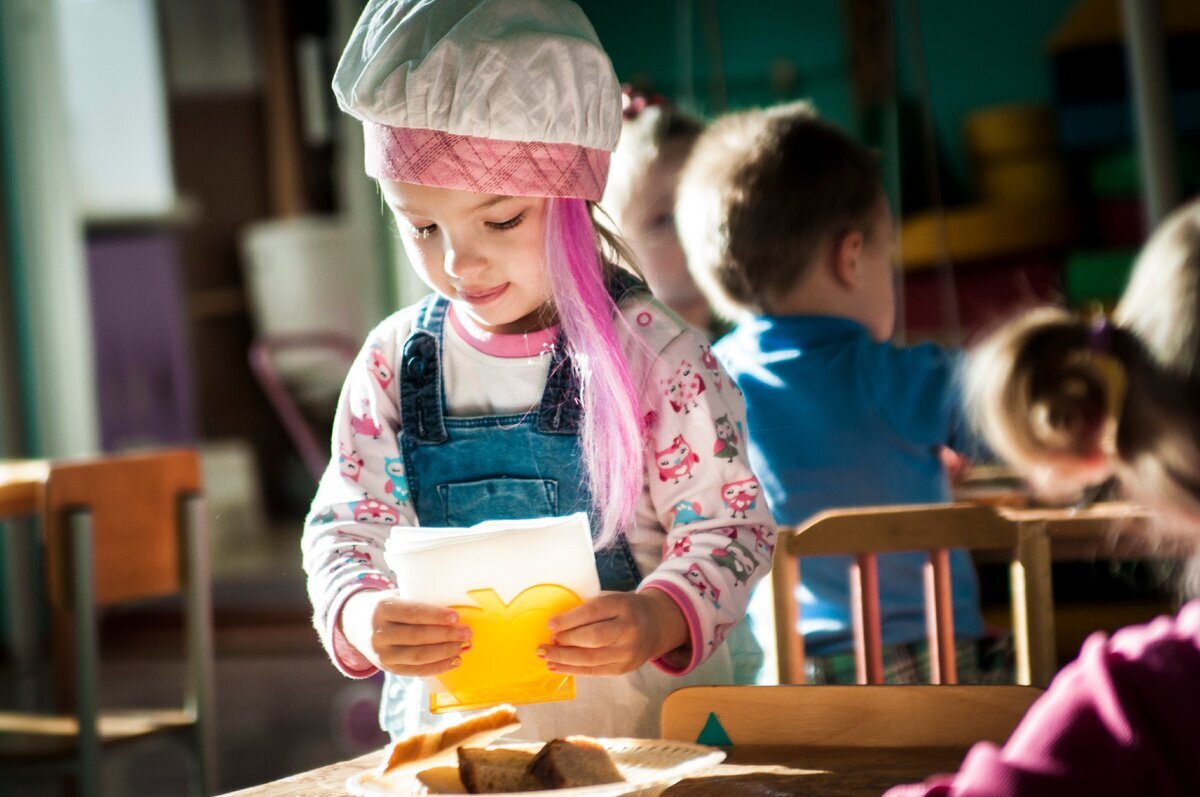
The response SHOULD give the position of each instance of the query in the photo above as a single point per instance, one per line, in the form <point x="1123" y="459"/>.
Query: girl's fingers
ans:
<point x="397" y="634"/>
<point x="420" y="655"/>
<point x="596" y="610"/>
<point x="559" y="655"/>
<point x="409" y="613"/>
<point x="605" y="669"/>
<point x="593" y="635"/>
<point x="424" y="670"/>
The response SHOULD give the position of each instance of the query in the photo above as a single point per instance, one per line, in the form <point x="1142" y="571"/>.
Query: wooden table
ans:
<point x="825" y="771"/>
<point x="21" y="483"/>
<point x="1111" y="530"/>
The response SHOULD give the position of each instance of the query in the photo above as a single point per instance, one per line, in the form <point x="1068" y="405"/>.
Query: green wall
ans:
<point x="976" y="53"/>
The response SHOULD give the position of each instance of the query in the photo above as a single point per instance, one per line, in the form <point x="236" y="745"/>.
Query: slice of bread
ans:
<point x="574" y="761"/>
<point x="496" y="771"/>
<point x="442" y="780"/>
<point x="479" y="730"/>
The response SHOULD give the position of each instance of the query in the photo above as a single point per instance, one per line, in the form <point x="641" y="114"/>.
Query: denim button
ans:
<point x="416" y="367"/>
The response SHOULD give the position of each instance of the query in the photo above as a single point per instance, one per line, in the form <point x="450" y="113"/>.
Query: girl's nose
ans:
<point x="462" y="261"/>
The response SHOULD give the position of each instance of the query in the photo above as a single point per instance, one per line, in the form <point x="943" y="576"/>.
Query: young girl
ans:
<point x="537" y="380"/>
<point x="656" y="138"/>
<point x="1072" y="402"/>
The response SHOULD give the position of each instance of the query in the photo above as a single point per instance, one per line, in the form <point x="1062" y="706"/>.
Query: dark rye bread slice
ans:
<point x="496" y="771"/>
<point x="574" y="761"/>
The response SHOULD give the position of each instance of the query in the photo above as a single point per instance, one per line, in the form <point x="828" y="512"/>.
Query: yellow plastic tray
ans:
<point x="502" y="665"/>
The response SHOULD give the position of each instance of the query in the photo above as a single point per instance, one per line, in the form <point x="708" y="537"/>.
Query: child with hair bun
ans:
<point x="1071" y="402"/>
<point x="538" y="379"/>
<point x="656" y="138"/>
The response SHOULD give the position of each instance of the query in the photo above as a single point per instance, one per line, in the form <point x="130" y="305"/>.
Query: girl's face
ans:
<point x="484" y="252"/>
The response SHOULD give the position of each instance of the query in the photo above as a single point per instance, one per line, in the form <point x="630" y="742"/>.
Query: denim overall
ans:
<point x="464" y="470"/>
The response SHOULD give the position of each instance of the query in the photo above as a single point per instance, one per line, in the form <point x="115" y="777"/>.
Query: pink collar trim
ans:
<point x="523" y="346"/>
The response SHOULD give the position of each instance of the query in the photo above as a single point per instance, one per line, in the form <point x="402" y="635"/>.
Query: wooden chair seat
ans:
<point x="52" y="736"/>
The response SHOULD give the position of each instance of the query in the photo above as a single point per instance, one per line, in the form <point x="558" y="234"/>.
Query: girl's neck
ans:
<point x="519" y="345"/>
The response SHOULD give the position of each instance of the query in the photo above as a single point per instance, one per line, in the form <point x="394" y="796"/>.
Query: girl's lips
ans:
<point x="482" y="297"/>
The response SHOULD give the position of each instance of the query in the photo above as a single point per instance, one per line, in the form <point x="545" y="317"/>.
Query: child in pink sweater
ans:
<point x="1071" y="403"/>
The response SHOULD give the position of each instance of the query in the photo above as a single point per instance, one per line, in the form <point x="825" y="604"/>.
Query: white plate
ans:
<point x="649" y="767"/>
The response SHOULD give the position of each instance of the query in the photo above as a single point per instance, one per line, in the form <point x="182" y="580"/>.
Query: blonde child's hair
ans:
<point x="760" y="191"/>
<point x="1071" y="400"/>
<point x="643" y="139"/>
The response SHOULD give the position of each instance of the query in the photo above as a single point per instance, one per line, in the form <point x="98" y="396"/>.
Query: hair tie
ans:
<point x="1100" y="336"/>
<point x="1107" y="365"/>
<point x="633" y="102"/>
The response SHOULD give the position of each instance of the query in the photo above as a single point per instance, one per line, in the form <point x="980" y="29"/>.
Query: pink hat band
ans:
<point x="484" y="165"/>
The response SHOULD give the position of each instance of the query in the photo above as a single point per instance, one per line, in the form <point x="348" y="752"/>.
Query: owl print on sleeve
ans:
<point x="364" y="424"/>
<point x="725" y="446"/>
<point x="369" y="510"/>
<point x="397" y="483"/>
<point x="738" y="560"/>
<point x="350" y="463"/>
<point x="709" y="361"/>
<point x="683" y="388"/>
<point x="676" y="460"/>
<point x="740" y="496"/>
<point x="378" y="365"/>
<point x="708" y="590"/>
<point x="687" y="512"/>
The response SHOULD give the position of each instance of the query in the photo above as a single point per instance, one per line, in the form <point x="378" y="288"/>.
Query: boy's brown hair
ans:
<point x="760" y="192"/>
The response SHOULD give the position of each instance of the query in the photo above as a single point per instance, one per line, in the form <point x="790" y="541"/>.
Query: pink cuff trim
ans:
<point x="484" y="165"/>
<point x="346" y="657"/>
<point x="695" y="629"/>
<point x="524" y="346"/>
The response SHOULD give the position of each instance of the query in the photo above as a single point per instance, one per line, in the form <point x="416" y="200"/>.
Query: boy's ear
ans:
<point x="847" y="258"/>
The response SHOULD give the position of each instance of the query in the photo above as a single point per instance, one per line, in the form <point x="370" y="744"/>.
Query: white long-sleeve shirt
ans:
<point x="702" y="533"/>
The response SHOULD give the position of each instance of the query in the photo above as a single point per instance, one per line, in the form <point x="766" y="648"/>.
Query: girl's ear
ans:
<point x="847" y="259"/>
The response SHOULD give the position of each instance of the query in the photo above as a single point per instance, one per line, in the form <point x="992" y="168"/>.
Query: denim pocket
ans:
<point x="468" y="503"/>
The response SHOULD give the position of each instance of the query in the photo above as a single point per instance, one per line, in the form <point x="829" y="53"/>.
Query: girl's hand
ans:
<point x="615" y="633"/>
<point x="404" y="637"/>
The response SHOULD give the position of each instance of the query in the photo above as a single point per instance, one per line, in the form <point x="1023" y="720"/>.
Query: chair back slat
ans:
<point x="134" y="505"/>
<point x="939" y="618"/>
<point x="865" y="619"/>
<point x="888" y="529"/>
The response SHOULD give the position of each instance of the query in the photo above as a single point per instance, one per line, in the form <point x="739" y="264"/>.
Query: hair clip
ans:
<point x="633" y="102"/>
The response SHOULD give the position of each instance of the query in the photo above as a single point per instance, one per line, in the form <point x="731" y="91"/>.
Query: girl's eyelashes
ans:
<point x="424" y="232"/>
<point x="509" y="224"/>
<point x="421" y="232"/>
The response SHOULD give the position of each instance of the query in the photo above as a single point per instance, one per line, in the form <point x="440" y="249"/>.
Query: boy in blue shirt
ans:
<point x="788" y="231"/>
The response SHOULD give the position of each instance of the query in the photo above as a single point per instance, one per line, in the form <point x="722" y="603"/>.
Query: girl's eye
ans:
<point x="509" y="224"/>
<point x="422" y="232"/>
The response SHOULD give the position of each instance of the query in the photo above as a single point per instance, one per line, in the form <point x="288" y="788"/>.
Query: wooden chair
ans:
<point x="848" y="716"/>
<point x="936" y="528"/>
<point x="118" y="529"/>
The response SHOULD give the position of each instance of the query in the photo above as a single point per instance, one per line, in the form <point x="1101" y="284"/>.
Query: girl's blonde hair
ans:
<point x="1071" y="401"/>
<point x="643" y="138"/>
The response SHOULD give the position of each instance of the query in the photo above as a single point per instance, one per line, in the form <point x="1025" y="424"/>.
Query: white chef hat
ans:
<point x="511" y="97"/>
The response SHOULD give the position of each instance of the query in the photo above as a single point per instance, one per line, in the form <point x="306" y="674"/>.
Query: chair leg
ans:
<point x="198" y="606"/>
<point x="87" y="652"/>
